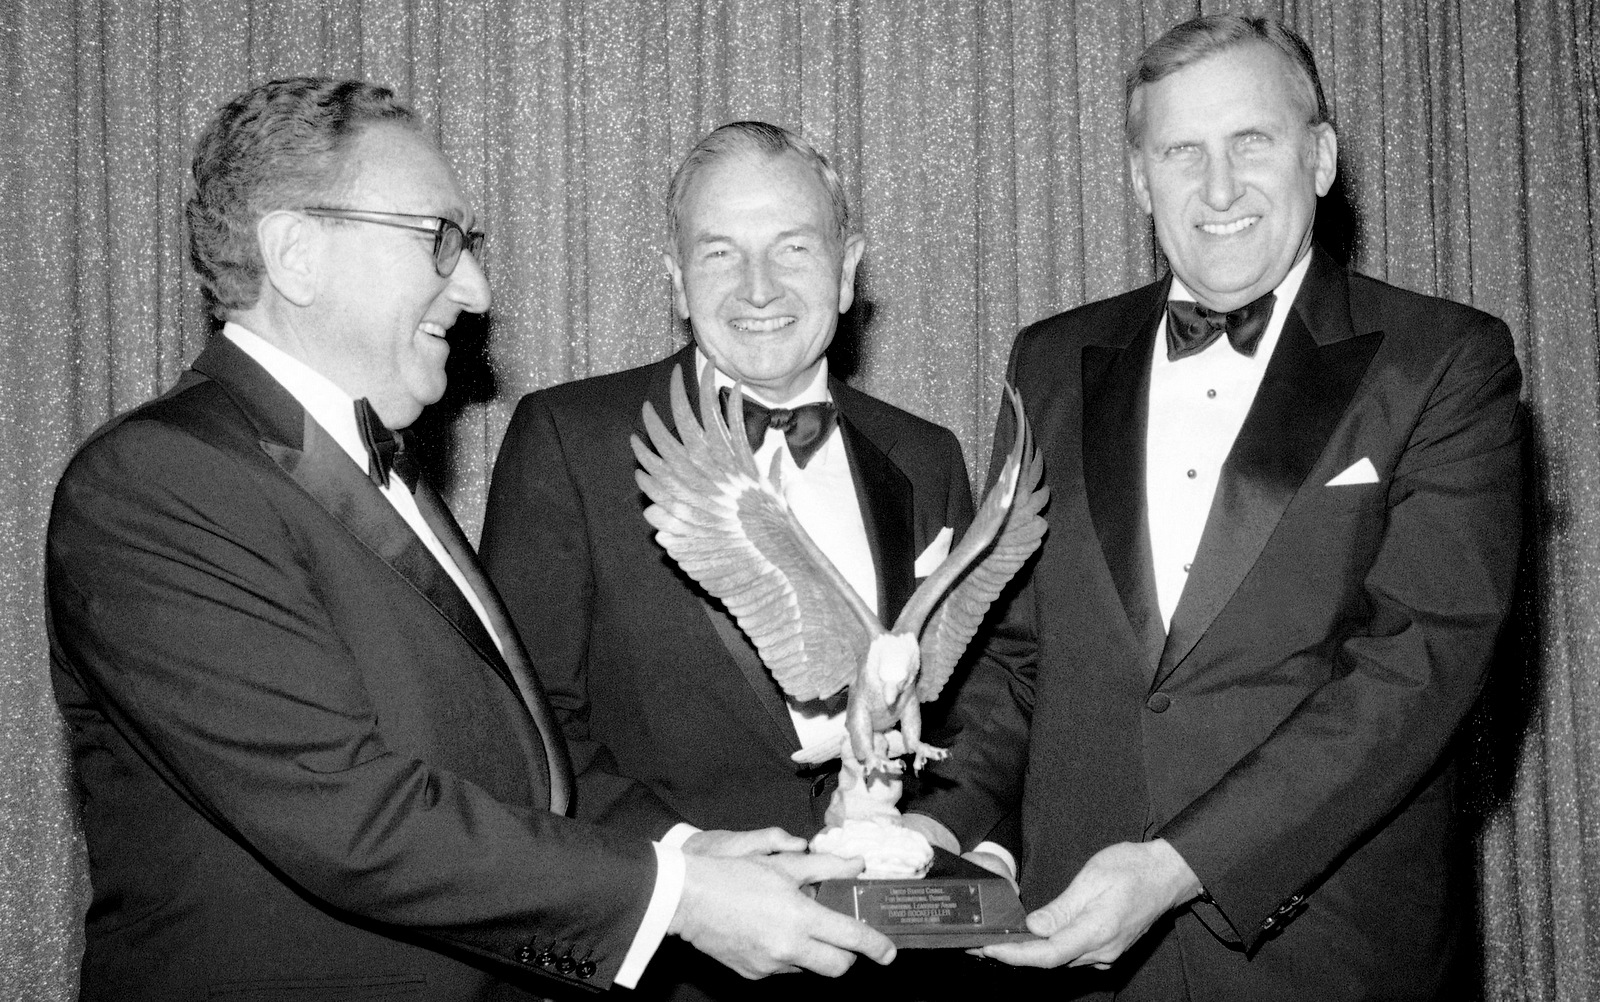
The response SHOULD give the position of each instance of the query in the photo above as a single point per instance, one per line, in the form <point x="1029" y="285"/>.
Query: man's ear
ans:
<point x="854" y="246"/>
<point x="680" y="298"/>
<point x="1140" y="180"/>
<point x="1325" y="154"/>
<point x="291" y="251"/>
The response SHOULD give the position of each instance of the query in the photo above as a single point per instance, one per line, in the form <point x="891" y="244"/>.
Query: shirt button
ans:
<point x="1211" y="394"/>
<point x="1190" y="474"/>
<point x="1186" y="568"/>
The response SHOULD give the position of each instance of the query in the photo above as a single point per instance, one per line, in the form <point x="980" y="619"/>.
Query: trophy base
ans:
<point x="957" y="905"/>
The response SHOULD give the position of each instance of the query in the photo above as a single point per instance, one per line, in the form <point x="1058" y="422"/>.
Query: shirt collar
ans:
<point x="329" y="406"/>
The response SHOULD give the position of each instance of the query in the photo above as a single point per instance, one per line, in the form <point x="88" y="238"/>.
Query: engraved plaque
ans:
<point x="959" y="904"/>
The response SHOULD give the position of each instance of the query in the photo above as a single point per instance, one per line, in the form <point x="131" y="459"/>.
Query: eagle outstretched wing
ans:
<point x="731" y="531"/>
<point x="947" y="608"/>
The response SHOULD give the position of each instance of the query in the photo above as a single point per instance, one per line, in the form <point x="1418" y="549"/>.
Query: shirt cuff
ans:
<point x="677" y="835"/>
<point x="670" y="869"/>
<point x="1004" y="854"/>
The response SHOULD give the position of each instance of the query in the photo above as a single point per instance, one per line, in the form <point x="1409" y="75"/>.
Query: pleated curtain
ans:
<point x="981" y="144"/>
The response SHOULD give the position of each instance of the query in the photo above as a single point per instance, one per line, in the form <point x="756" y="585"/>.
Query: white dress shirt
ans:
<point x="334" y="409"/>
<point x="823" y="498"/>
<point x="1197" y="406"/>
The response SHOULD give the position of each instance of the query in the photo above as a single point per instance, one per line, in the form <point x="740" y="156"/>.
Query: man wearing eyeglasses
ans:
<point x="314" y="761"/>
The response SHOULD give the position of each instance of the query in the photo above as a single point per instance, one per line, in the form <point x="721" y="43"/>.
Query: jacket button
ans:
<point x="545" y="958"/>
<point x="586" y="969"/>
<point x="1158" y="702"/>
<point x="566" y="965"/>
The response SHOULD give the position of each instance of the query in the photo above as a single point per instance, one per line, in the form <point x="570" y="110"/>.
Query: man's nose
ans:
<point x="1221" y="182"/>
<point x="756" y="286"/>
<point x="468" y="284"/>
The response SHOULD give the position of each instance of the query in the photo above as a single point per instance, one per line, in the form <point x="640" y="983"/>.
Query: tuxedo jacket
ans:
<point x="1288" y="734"/>
<point x="652" y="679"/>
<point x="306" y="770"/>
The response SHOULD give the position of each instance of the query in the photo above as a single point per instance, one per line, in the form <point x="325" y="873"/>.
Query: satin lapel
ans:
<point x="659" y="394"/>
<point x="324" y="471"/>
<point x="884" y="494"/>
<point x="310" y="456"/>
<point x="1116" y="393"/>
<point x="740" y="650"/>
<point x="314" y="461"/>
<point x="550" y="755"/>
<point x="1309" y="383"/>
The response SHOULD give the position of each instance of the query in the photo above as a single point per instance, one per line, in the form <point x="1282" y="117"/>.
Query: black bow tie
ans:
<point x="1191" y="327"/>
<point x="805" y="427"/>
<point x="386" y="450"/>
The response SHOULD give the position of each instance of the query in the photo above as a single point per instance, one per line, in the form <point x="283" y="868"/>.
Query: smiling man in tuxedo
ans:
<point x="1283" y="530"/>
<point x="314" y="760"/>
<point x="650" y="678"/>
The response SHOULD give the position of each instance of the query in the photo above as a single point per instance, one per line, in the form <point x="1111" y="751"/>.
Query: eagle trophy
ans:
<point x="730" y="529"/>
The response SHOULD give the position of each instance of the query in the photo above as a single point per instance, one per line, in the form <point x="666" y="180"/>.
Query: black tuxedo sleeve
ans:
<point x="536" y="547"/>
<point x="192" y="618"/>
<point x="1434" y="578"/>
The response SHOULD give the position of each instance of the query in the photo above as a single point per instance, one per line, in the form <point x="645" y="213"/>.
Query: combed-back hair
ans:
<point x="279" y="145"/>
<point x="746" y="139"/>
<point x="1194" y="40"/>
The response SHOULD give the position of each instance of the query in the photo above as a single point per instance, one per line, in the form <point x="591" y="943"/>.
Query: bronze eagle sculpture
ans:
<point x="730" y="529"/>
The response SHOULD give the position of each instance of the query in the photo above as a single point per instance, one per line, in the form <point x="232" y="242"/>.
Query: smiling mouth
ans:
<point x="1228" y="229"/>
<point x="760" y="325"/>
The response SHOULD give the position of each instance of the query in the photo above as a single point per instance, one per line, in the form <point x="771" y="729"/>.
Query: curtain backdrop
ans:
<point x="981" y="142"/>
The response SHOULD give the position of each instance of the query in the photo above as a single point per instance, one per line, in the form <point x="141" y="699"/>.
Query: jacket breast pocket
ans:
<point x="1331" y="501"/>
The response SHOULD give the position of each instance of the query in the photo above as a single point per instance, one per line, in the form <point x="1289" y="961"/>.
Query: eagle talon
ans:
<point x="926" y="754"/>
<point x="887" y="767"/>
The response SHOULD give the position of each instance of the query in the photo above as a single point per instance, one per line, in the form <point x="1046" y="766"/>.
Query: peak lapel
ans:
<point x="659" y="393"/>
<point x="1116" y="395"/>
<point x="324" y="471"/>
<point x="552" y="750"/>
<point x="884" y="495"/>
<point x="310" y="457"/>
<point x="740" y="650"/>
<point x="1314" y="372"/>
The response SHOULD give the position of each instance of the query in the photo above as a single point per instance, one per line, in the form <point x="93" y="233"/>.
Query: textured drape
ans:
<point x="981" y="142"/>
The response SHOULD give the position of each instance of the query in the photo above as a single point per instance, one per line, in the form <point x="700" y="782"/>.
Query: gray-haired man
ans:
<point x="1283" y="531"/>
<point x="652" y="680"/>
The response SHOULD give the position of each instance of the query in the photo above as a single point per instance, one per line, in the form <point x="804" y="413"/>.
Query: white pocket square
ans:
<point x="934" y="555"/>
<point x="1360" y="472"/>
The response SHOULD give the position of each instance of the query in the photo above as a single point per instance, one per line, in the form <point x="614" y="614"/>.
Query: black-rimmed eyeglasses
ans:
<point x="449" y="239"/>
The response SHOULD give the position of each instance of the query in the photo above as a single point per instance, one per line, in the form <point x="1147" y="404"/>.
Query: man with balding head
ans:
<point x="1283" y="529"/>
<point x="315" y="760"/>
<point x="652" y="679"/>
